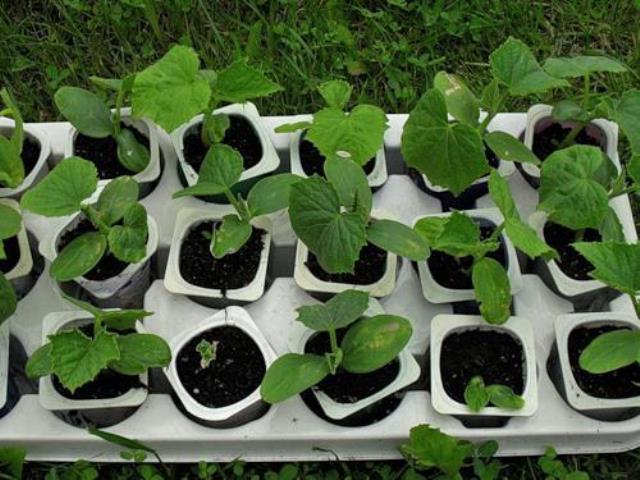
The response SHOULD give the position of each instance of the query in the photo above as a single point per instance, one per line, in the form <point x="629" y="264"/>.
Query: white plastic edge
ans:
<point x="4" y="362"/>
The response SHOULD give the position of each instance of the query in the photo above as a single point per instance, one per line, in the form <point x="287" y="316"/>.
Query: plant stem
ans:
<point x="93" y="216"/>
<point x="490" y="115"/>
<point x="569" y="139"/>
<point x="237" y="205"/>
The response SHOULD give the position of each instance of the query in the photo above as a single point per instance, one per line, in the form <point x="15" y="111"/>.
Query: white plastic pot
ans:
<point x="80" y="413"/>
<point x="41" y="168"/>
<point x="269" y="162"/>
<point x="600" y="408"/>
<point x="20" y="274"/>
<point x="376" y="178"/>
<point x="241" y="412"/>
<point x="408" y="373"/>
<point x="4" y="362"/>
<point x="187" y="219"/>
<point x="436" y="293"/>
<point x="520" y="329"/>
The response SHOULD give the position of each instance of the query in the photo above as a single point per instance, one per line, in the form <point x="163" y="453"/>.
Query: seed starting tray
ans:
<point x="290" y="431"/>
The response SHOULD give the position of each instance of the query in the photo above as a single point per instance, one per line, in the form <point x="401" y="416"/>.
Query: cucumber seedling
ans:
<point x="11" y="164"/>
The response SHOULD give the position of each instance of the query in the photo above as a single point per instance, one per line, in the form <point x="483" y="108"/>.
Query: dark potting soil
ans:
<point x="547" y="141"/>
<point x="621" y="383"/>
<point x="312" y="160"/>
<point x="12" y="251"/>
<point x="103" y="153"/>
<point x="346" y="387"/>
<point x="30" y="154"/>
<point x="235" y="374"/>
<point x="108" y="266"/>
<point x="370" y="267"/>
<point x="199" y="267"/>
<point x="570" y="261"/>
<point x="495" y="356"/>
<point x="455" y="273"/>
<point x="240" y="135"/>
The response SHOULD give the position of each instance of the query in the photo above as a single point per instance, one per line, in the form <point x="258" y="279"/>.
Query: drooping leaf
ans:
<point x="475" y="394"/>
<point x="139" y="352"/>
<point x="132" y="155"/>
<point x="292" y="374"/>
<point x="509" y="148"/>
<point x="611" y="351"/>
<point x="11" y="166"/>
<point x="503" y="396"/>
<point x="581" y="65"/>
<point x="62" y="191"/>
<point x="10" y="222"/>
<point x="230" y="235"/>
<point x="128" y="242"/>
<point x="118" y="195"/>
<point x="492" y="290"/>
<point x="271" y="194"/>
<point x="461" y="102"/>
<point x="350" y="183"/>
<point x="397" y="238"/>
<point x="615" y="263"/>
<point x="8" y="300"/>
<point x="336" y="93"/>
<point x="338" y="312"/>
<point x="85" y="110"/>
<point x="121" y="441"/>
<point x="627" y="115"/>
<point x="39" y="363"/>
<point x="216" y="126"/>
<point x="79" y="256"/>
<point x="239" y="82"/>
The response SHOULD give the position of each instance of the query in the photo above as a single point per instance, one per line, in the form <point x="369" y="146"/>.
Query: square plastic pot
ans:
<point x="409" y="372"/>
<point x="41" y="167"/>
<point x="81" y="413"/>
<point x="599" y="408"/>
<point x="20" y="275"/>
<point x="520" y="329"/>
<point x="124" y="290"/>
<point x="376" y="178"/>
<point x="539" y="117"/>
<point x="239" y="413"/>
<point x="436" y="293"/>
<point x="188" y="218"/>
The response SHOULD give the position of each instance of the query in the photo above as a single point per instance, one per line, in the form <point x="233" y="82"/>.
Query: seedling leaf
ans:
<point x="128" y="242"/>
<point x="461" y="102"/>
<point x="616" y="263"/>
<point x="492" y="290"/>
<point x="79" y="256"/>
<point x="338" y="312"/>
<point x="581" y="65"/>
<point x="230" y="235"/>
<point x="85" y="110"/>
<point x="139" y="352"/>
<point x="292" y="374"/>
<point x="397" y="238"/>
<point x="240" y="82"/>
<point x="611" y="351"/>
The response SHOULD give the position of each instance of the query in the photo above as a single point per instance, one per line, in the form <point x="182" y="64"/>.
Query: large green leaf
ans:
<point x="338" y="312"/>
<point x="292" y="374"/>
<point x="581" y="65"/>
<point x="397" y="238"/>
<point x="10" y="222"/>
<point x="230" y="235"/>
<point x="357" y="135"/>
<point x="627" y="114"/>
<point x="515" y="66"/>
<point x="128" y="242"/>
<point x="611" y="351"/>
<point x="509" y="148"/>
<point x="134" y="156"/>
<point x="118" y="195"/>
<point x="239" y="82"/>
<point x="492" y="290"/>
<point x="140" y="352"/>
<point x="335" y="237"/>
<point x="79" y="256"/>
<point x="451" y="155"/>
<point x="39" y="364"/>
<point x="461" y="102"/>
<point x="371" y="343"/>
<point x="11" y="166"/>
<point x="271" y="194"/>
<point x="616" y="263"/>
<point x="430" y="448"/>
<point x="171" y="91"/>
<point x="85" y="110"/>
<point x="8" y="300"/>
<point x="336" y="93"/>
<point x="350" y="182"/>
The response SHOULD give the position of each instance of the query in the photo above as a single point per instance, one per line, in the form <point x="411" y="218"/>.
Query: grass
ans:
<point x="390" y="50"/>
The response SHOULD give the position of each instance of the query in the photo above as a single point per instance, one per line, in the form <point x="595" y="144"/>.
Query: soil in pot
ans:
<point x="547" y="140"/>
<point x="312" y="160"/>
<point x="199" y="267"/>
<point x="30" y="150"/>
<point x="570" y="261"/>
<point x="621" y="383"/>
<point x="495" y="356"/>
<point x="370" y="267"/>
<point x="12" y="251"/>
<point x="103" y="153"/>
<point x="108" y="266"/>
<point x="236" y="372"/>
<point x="240" y="135"/>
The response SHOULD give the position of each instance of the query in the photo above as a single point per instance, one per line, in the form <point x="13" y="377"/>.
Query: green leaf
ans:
<point x="118" y="195"/>
<point x="128" y="242"/>
<point x="456" y="234"/>
<point x="230" y="235"/>
<point x="574" y="187"/>
<point x="12" y="461"/>
<point x="85" y="110"/>
<point x="616" y="263"/>
<point x="8" y="300"/>
<point x="336" y="93"/>
<point x="627" y="115"/>
<point x="509" y="148"/>
<point x="611" y="351"/>
<point x="10" y="222"/>
<point x="492" y="290"/>
<point x="79" y="256"/>
<point x="490" y="99"/>
<point x="475" y="394"/>
<point x="633" y="168"/>
<point x="271" y="194"/>
<point x="461" y="102"/>
<point x="140" y="352"/>
<point x="515" y="66"/>
<point x="18" y="128"/>
<point x="371" y="343"/>
<point x="216" y="126"/>
<point x="503" y="397"/>
<point x="106" y="83"/>
<point x="338" y="312"/>
<point x="62" y="191"/>
<point x="220" y="170"/>
<point x="120" y="441"/>
<point x="11" y="166"/>
<point x="611" y="228"/>
<point x="292" y="127"/>
<point x="567" y="110"/>
<point x="335" y="237"/>
<point x="171" y="91"/>
<point x="132" y="154"/>
<point x="350" y="182"/>
<point x="239" y="82"/>
<point x="78" y="359"/>
<point x="292" y="374"/>
<point x="501" y="196"/>
<point x="581" y="65"/>
<point x="398" y="238"/>
<point x="357" y="135"/>
<point x="451" y="155"/>
<point x="526" y="239"/>
<point x="39" y="363"/>
<point x="114" y="319"/>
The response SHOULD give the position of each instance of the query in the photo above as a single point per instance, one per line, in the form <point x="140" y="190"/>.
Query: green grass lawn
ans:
<point x="391" y="50"/>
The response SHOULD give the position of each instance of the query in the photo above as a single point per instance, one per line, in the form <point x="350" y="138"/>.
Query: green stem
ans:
<point x="496" y="233"/>
<point x="490" y="115"/>
<point x="569" y="139"/>
<point x="237" y="205"/>
<point x="334" y="341"/>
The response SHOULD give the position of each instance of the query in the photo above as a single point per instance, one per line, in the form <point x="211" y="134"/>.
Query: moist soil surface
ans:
<point x="236" y="372"/>
<point x="370" y="267"/>
<point x="199" y="267"/>
<point x="240" y="135"/>
<point x="12" y="251"/>
<point x="312" y="160"/>
<point x="108" y="266"/>
<point x="346" y="387"/>
<point x="455" y="273"/>
<point x="497" y="357"/>
<point x="549" y="139"/>
<point x="570" y="261"/>
<point x="103" y="153"/>
<point x="621" y="383"/>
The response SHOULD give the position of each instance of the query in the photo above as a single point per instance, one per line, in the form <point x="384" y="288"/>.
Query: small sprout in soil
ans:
<point x="11" y="166"/>
<point x="477" y="396"/>
<point x="208" y="352"/>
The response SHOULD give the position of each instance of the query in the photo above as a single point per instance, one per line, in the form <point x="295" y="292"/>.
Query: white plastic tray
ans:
<point x="290" y="431"/>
